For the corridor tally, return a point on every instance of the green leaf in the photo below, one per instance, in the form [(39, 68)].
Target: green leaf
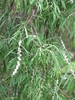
[(29, 40), (63, 4), (32, 1), (39, 40)]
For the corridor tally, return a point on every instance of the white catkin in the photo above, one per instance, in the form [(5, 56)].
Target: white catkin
[(71, 1), (18, 58), (55, 89), (66, 58)]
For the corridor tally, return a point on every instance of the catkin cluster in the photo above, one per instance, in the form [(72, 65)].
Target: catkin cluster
[(18, 58), (66, 59)]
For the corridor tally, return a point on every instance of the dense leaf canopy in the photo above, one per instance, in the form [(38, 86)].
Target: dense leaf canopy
[(35, 39)]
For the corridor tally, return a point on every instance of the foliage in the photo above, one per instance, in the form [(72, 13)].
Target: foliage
[(31, 33)]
